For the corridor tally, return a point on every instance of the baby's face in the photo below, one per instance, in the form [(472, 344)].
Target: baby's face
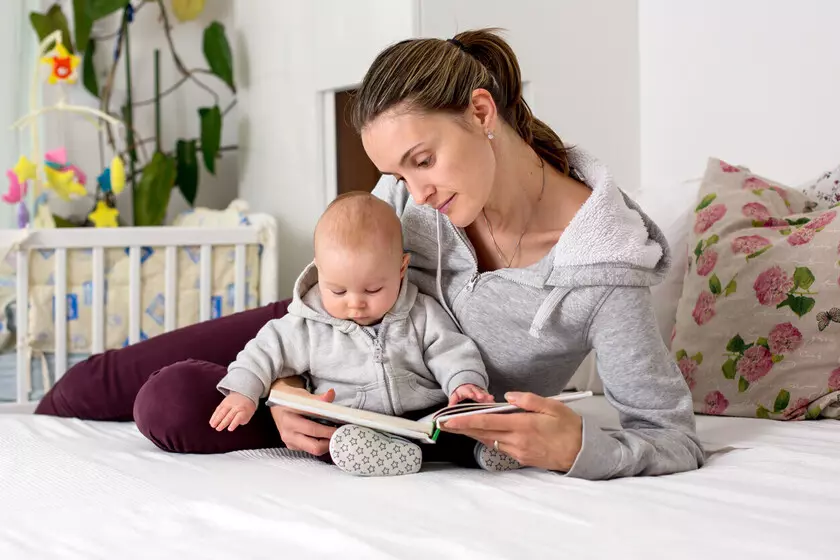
[(360, 285)]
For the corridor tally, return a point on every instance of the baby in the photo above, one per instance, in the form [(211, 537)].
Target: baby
[(356, 325)]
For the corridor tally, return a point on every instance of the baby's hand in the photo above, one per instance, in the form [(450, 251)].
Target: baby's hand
[(235, 410), (472, 392)]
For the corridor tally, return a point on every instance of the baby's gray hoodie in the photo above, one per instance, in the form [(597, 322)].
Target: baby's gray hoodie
[(412, 360)]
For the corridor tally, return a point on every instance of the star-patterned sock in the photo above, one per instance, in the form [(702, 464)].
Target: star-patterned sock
[(365, 452), (494, 461)]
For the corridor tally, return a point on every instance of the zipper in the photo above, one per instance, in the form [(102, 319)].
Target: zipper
[(379, 359)]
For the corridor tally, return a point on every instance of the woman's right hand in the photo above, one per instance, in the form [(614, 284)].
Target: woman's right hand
[(296, 431)]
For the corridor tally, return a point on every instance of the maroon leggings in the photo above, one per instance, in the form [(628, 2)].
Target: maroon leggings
[(167, 385)]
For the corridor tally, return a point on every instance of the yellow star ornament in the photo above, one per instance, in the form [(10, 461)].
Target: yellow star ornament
[(63, 65), (64, 183), (104, 215), (24, 169)]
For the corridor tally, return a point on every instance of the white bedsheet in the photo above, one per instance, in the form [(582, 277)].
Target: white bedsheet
[(73, 489)]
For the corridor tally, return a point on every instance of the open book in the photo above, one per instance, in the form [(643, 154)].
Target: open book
[(425, 429)]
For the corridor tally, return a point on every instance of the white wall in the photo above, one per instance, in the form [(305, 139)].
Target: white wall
[(754, 82), (288, 53), (581, 59), (179, 110)]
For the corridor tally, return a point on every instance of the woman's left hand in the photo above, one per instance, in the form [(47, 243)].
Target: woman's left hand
[(548, 436)]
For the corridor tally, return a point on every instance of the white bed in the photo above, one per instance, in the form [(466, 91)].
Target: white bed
[(76, 489)]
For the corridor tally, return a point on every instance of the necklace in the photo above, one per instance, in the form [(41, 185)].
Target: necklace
[(528, 223)]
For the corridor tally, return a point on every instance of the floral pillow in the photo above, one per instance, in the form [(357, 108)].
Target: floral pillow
[(757, 330)]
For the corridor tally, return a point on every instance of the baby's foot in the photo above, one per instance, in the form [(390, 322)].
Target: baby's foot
[(492, 460), (365, 452)]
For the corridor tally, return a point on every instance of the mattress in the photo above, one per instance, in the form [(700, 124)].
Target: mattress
[(76, 489)]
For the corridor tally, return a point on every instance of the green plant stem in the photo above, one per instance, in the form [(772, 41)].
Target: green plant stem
[(167, 29), (129, 114), (157, 99)]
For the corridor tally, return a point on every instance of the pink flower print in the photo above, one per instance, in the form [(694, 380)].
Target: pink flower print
[(706, 262), (688, 367), (755, 363), (799, 408), (784, 338), (756, 211), (754, 183), (749, 244), (707, 217), (775, 223), (834, 380), (772, 286), (716, 403), (821, 221), (781, 192), (704, 309), (726, 168), (802, 236)]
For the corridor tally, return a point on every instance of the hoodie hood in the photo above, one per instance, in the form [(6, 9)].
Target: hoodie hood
[(609, 242), (306, 301)]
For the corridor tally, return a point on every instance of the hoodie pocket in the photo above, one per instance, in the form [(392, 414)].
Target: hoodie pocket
[(417, 393), (371, 397)]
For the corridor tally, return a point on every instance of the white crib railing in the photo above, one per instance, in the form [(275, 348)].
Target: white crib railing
[(260, 232)]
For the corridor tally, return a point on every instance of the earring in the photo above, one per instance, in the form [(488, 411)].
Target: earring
[(490, 136)]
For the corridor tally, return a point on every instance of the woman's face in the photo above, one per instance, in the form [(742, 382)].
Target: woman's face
[(446, 161)]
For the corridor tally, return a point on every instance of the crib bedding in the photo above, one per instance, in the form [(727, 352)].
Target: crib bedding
[(74, 489)]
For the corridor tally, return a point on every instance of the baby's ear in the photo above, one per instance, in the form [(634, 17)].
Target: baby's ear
[(405, 260)]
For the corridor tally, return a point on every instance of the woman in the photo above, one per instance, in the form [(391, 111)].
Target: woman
[(531, 248)]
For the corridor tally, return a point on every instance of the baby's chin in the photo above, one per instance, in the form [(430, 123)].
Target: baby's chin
[(365, 321)]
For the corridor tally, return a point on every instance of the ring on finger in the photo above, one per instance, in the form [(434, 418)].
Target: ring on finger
[(496, 445)]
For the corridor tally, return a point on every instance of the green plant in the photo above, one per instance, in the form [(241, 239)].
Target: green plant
[(151, 178)]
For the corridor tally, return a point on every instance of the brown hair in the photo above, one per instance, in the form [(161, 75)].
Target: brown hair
[(359, 219), (438, 75)]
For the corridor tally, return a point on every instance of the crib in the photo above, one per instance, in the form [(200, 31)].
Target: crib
[(254, 242)]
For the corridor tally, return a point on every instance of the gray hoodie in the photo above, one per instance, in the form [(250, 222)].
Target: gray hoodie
[(397, 367), (535, 325)]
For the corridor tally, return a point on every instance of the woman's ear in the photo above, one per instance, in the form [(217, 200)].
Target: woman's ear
[(405, 260), (483, 111)]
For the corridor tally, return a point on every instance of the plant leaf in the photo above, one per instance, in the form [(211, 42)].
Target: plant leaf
[(151, 196), (217, 53), (802, 305), (776, 358), (681, 354), (211, 135), (712, 240), (736, 344), (763, 342), (82, 23), (89, 71), (785, 231), (782, 401), (698, 358), (186, 153), (762, 412), (813, 413), (728, 368), (714, 285), (53, 20), (63, 222), (788, 302), (759, 252), (699, 249), (799, 222), (803, 278), (743, 385), (731, 288), (98, 9), (708, 199)]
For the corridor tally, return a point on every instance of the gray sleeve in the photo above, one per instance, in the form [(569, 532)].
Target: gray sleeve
[(452, 357), (393, 192), (280, 349), (645, 386)]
